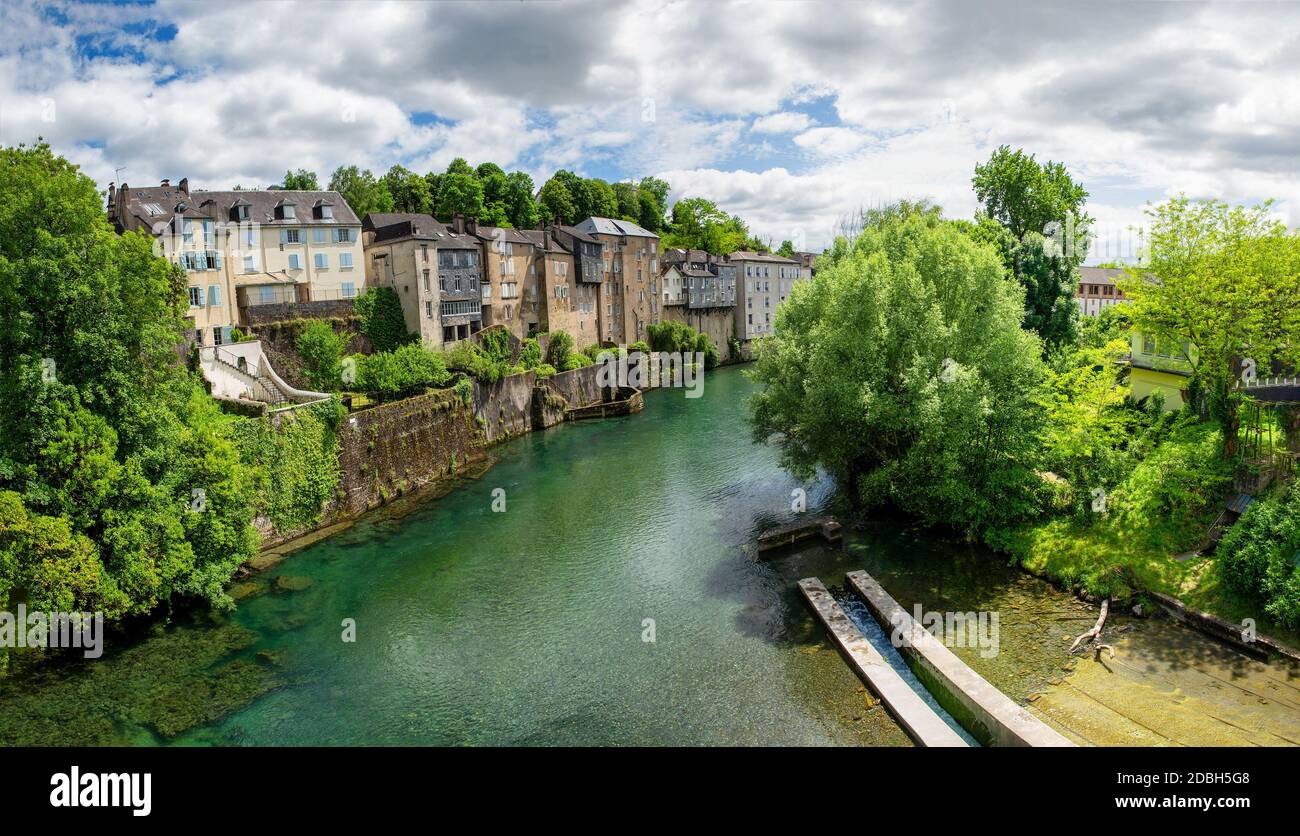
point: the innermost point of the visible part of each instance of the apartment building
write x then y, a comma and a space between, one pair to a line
630, 298
1097, 289
244, 250
436, 271
567, 303
511, 295
708, 295
763, 281
589, 282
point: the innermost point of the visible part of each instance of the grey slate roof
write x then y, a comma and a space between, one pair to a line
745, 255
396, 226
1100, 275
609, 226
151, 205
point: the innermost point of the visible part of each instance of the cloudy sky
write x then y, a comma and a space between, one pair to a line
789, 113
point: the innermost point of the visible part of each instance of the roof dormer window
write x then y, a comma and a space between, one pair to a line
285, 210
324, 210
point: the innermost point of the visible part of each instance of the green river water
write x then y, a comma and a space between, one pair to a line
528, 627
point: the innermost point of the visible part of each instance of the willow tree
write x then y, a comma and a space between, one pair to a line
1226, 280
901, 369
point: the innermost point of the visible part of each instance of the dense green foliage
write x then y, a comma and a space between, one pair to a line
678, 337
567, 198
321, 350
1033, 213
300, 180
699, 224
1225, 283
901, 369
296, 464
382, 321
120, 486
407, 370
1260, 556
362, 190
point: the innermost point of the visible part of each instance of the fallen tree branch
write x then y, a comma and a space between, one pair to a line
1085, 638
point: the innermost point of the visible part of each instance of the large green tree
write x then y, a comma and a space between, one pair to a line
410, 191
1223, 279
120, 485
902, 370
300, 180
363, 192
1040, 209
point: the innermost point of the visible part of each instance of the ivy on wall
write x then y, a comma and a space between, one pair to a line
297, 463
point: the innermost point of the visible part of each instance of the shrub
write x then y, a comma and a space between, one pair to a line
321, 350
641, 346
1260, 556
576, 361
530, 356
464, 389
390, 374
559, 349
382, 321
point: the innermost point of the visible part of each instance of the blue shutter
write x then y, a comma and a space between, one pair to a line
225, 335
214, 295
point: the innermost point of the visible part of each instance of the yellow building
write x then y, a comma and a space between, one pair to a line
1159, 367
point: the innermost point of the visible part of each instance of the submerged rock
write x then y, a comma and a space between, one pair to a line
292, 583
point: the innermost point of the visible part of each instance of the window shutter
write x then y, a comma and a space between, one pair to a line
214, 294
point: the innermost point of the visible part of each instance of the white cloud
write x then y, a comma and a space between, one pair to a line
785, 122
792, 115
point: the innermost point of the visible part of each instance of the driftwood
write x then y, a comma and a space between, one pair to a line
1085, 639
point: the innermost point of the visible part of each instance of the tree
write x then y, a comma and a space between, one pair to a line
556, 203
786, 250
361, 190
601, 200
1040, 207
699, 224
883, 372
1222, 279
105, 440
460, 194
382, 320
627, 201
652, 197
410, 191
300, 180
521, 207
321, 350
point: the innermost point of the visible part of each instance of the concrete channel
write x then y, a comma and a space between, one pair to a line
919, 720
984, 711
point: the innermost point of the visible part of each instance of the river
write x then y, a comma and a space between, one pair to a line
614, 601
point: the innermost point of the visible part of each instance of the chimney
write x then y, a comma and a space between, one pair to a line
184, 185
166, 182
471, 226
112, 190
458, 223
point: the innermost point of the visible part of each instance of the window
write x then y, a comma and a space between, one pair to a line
266, 294
426, 281
290, 236
1148, 344
287, 212
345, 261
294, 262
445, 258
343, 236
250, 263
196, 297
214, 295
216, 335
322, 261
349, 290
428, 310
327, 211
241, 213
187, 231
318, 235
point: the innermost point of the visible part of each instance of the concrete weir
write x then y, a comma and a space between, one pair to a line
918, 719
983, 710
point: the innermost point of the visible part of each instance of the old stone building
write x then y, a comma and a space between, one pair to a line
436, 272
630, 287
